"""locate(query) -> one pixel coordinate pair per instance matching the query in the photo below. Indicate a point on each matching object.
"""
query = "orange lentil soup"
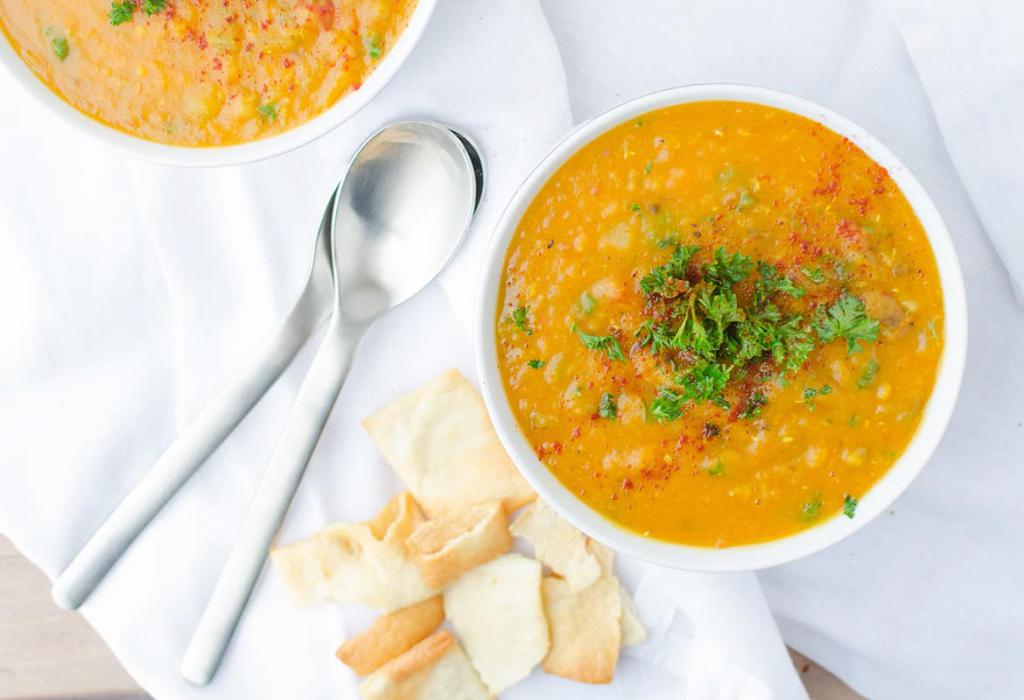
(719, 324)
(203, 72)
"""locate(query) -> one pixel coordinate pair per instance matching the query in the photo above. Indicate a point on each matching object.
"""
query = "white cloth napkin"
(131, 291)
(925, 601)
(970, 59)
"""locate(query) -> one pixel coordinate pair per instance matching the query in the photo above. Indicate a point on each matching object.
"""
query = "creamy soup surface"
(719, 324)
(203, 72)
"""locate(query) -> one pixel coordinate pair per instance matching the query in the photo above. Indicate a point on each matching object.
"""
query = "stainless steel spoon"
(400, 215)
(205, 433)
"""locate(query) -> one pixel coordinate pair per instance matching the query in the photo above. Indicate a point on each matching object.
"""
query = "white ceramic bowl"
(746, 557)
(216, 156)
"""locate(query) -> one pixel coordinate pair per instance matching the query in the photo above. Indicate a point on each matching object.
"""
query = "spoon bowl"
(400, 215)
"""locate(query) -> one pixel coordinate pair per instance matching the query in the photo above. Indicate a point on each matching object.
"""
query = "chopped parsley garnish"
(664, 280)
(718, 469)
(121, 12)
(635, 207)
(846, 319)
(608, 408)
(813, 274)
(849, 506)
(810, 509)
(868, 376)
(753, 407)
(705, 382)
(667, 405)
(373, 48)
(713, 336)
(520, 317)
(727, 270)
(647, 168)
(607, 344)
(269, 111)
(60, 47)
(152, 7)
(771, 282)
(536, 364)
(811, 392)
(657, 335)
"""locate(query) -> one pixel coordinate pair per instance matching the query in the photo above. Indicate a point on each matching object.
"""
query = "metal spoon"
(204, 434)
(400, 215)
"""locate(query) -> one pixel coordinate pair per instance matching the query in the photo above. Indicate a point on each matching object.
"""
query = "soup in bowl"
(202, 82)
(721, 327)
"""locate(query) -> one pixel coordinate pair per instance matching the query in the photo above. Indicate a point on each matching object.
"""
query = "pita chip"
(441, 443)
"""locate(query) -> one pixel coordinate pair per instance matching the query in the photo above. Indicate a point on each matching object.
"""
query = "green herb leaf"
(813, 274)
(373, 48)
(753, 407)
(660, 280)
(718, 469)
(810, 509)
(726, 270)
(536, 364)
(667, 405)
(868, 375)
(607, 344)
(608, 407)
(811, 392)
(846, 319)
(647, 168)
(269, 111)
(121, 12)
(705, 382)
(60, 47)
(771, 282)
(849, 506)
(657, 335)
(152, 7)
(520, 318)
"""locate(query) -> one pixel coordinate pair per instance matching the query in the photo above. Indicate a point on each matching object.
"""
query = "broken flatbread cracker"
(357, 563)
(633, 630)
(435, 669)
(557, 544)
(448, 546)
(497, 611)
(586, 630)
(441, 443)
(604, 555)
(390, 635)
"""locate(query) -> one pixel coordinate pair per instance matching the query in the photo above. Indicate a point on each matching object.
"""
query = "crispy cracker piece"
(497, 611)
(390, 635)
(449, 546)
(633, 630)
(586, 630)
(441, 443)
(604, 555)
(357, 563)
(557, 544)
(434, 669)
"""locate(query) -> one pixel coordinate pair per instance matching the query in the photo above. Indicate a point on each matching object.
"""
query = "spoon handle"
(273, 497)
(189, 450)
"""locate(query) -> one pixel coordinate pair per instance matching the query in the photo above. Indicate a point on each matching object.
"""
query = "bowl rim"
(886, 490)
(220, 156)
